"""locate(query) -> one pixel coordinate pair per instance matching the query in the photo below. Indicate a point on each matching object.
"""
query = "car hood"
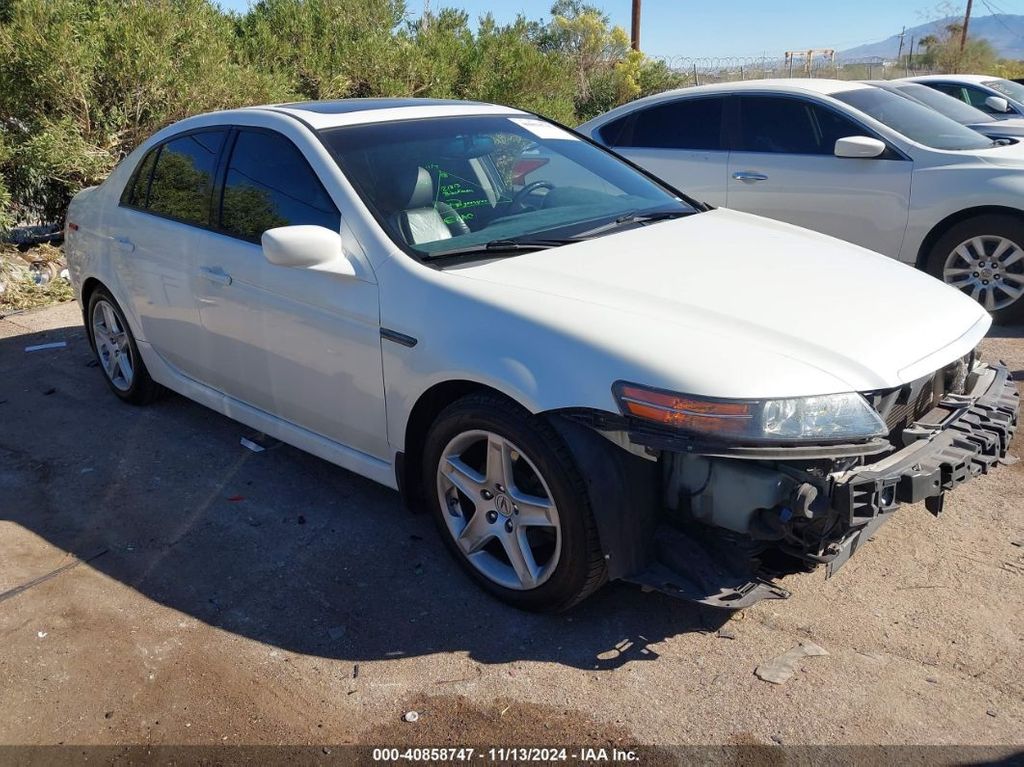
(736, 305)
(1010, 127)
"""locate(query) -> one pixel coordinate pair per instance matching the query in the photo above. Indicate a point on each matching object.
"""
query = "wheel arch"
(953, 219)
(429, 405)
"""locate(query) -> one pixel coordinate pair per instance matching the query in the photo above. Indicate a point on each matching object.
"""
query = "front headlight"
(825, 418)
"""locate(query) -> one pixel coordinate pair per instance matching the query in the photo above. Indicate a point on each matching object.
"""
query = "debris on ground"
(32, 278)
(42, 347)
(779, 670)
(726, 633)
(248, 443)
(411, 716)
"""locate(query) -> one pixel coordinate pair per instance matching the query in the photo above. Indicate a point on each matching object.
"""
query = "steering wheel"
(520, 197)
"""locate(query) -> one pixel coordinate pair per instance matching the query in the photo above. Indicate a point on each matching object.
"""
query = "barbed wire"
(756, 67)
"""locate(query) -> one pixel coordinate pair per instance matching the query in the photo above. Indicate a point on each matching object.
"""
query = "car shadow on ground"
(277, 546)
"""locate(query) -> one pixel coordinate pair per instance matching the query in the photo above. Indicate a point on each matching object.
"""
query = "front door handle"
(215, 274)
(749, 176)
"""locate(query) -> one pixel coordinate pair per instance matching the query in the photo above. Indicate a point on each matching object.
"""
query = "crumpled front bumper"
(962, 437)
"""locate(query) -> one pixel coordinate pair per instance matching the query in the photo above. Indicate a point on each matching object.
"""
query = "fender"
(623, 491)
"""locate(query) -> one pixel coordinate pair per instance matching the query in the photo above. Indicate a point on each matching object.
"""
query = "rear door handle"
(124, 244)
(215, 274)
(749, 176)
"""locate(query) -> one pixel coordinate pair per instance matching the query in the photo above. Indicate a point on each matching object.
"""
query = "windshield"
(1008, 88)
(953, 108)
(915, 121)
(448, 184)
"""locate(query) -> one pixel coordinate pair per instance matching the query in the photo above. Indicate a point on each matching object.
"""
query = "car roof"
(795, 85)
(337, 112)
(977, 79)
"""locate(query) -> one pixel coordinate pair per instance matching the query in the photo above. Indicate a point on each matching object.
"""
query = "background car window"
(791, 126)
(137, 189)
(183, 177)
(950, 90)
(682, 124)
(976, 98)
(270, 184)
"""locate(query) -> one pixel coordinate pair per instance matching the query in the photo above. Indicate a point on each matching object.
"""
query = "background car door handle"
(749, 177)
(215, 275)
(124, 244)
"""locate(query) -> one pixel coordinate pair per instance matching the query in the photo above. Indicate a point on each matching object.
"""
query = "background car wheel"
(116, 351)
(511, 504)
(984, 258)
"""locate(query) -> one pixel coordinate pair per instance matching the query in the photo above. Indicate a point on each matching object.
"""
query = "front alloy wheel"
(988, 268)
(511, 504)
(983, 257)
(499, 510)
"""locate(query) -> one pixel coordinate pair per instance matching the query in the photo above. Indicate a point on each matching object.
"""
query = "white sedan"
(846, 159)
(580, 372)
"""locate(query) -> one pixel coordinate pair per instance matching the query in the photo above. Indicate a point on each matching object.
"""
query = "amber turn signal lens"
(683, 412)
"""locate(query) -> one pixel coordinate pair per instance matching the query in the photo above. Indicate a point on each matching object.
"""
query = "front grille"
(901, 406)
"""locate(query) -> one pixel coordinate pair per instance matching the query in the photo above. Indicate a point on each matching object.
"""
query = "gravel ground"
(160, 584)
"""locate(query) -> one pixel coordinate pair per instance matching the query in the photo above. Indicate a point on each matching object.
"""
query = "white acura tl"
(849, 160)
(583, 374)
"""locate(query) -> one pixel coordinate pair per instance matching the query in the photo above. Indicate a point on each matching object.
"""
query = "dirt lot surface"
(160, 584)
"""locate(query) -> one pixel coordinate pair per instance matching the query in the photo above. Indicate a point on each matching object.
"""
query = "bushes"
(82, 82)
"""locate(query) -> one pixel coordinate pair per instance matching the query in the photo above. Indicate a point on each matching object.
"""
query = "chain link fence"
(719, 69)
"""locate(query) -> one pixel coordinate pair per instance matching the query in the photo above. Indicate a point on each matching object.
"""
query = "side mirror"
(306, 247)
(863, 147)
(997, 104)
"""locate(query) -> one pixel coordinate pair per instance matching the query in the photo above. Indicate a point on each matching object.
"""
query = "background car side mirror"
(863, 147)
(997, 104)
(306, 247)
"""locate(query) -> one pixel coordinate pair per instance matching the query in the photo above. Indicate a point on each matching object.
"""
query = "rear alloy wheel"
(511, 504)
(117, 352)
(984, 259)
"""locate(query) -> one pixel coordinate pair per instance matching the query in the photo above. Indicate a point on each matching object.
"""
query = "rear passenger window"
(683, 124)
(791, 126)
(183, 178)
(950, 90)
(136, 190)
(270, 184)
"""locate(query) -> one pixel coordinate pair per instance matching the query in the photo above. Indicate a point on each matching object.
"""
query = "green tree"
(82, 82)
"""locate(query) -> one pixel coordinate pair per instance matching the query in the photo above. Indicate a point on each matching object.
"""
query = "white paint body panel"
(297, 353)
(886, 205)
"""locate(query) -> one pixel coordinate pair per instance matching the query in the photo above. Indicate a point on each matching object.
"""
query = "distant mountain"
(1004, 31)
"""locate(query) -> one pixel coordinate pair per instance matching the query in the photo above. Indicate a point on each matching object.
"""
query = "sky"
(734, 28)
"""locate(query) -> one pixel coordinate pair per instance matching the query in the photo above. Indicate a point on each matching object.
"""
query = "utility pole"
(910, 56)
(899, 55)
(967, 21)
(635, 36)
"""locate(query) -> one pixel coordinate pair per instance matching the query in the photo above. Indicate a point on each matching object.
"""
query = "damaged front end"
(729, 518)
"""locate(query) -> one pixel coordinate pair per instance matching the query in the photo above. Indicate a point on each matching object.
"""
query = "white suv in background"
(846, 159)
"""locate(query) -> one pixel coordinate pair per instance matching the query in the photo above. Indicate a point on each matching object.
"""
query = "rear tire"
(511, 505)
(116, 351)
(983, 257)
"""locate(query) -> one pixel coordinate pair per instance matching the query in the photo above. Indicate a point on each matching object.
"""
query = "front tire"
(984, 258)
(511, 504)
(116, 350)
